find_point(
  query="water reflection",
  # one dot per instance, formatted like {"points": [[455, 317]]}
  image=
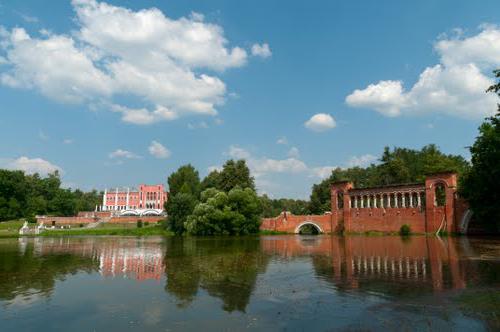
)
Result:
{"points": [[420, 263], [239, 272]]}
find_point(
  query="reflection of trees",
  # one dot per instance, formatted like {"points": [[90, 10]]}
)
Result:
{"points": [[226, 268], [23, 272]]}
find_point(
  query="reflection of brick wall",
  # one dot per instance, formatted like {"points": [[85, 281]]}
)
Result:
{"points": [[420, 260]]}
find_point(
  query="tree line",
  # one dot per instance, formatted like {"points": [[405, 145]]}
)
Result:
{"points": [[24, 196]]}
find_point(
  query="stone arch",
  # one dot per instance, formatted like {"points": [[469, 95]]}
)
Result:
{"points": [[151, 213], [308, 222], [129, 213]]}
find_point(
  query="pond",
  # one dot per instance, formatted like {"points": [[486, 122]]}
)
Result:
{"points": [[256, 283]]}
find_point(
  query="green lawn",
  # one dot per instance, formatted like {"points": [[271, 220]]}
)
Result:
{"points": [[109, 230], [10, 228]]}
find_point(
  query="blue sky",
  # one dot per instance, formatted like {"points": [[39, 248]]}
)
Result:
{"points": [[124, 92]]}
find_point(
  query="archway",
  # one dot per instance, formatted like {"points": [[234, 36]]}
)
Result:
{"points": [[308, 227]]}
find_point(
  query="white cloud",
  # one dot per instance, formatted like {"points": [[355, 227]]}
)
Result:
{"points": [[68, 141], [238, 153], [261, 50], [456, 86], [361, 161], [168, 63], [322, 172], [320, 122], [282, 140], [294, 152], [119, 154], [267, 165], [142, 116], [159, 151], [33, 165], [386, 97]]}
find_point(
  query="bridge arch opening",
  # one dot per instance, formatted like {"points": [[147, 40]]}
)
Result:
{"points": [[308, 228]]}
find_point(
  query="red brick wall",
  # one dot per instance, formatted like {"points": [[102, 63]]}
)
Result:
{"points": [[386, 220], [134, 219], [47, 221], [290, 222]]}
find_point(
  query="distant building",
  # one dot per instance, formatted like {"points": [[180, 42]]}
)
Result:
{"points": [[146, 197]]}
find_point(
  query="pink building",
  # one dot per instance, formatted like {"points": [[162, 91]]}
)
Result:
{"points": [[145, 197]]}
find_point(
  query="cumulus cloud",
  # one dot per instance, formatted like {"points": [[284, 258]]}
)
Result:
{"points": [[261, 50], [261, 166], [33, 165], [322, 172], [268, 165], [158, 150], [123, 154], [169, 64], [320, 122], [456, 86], [238, 153]]}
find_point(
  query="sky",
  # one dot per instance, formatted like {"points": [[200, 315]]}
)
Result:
{"points": [[120, 93]]}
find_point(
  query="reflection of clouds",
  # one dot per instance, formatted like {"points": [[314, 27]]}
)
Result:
{"points": [[152, 315], [25, 299]]}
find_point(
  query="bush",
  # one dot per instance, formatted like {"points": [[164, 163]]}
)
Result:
{"points": [[81, 225], [146, 223], [31, 219], [139, 223], [405, 230]]}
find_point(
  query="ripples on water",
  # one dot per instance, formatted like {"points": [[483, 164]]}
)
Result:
{"points": [[270, 282]]}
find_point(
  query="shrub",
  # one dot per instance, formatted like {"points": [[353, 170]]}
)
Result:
{"points": [[139, 223], [146, 223], [81, 225], [31, 219], [405, 230]]}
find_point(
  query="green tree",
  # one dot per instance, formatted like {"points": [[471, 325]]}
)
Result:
{"points": [[186, 179], [211, 180], [219, 213], [235, 174], [480, 186], [179, 207]]}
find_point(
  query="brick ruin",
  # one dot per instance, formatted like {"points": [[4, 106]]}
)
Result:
{"points": [[426, 207]]}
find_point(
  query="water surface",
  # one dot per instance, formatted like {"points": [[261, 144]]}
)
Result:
{"points": [[265, 283]]}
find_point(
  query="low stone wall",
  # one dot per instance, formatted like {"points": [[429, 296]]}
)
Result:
{"points": [[63, 221], [134, 219], [59, 221]]}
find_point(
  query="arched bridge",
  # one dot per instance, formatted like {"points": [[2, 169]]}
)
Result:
{"points": [[289, 223]]}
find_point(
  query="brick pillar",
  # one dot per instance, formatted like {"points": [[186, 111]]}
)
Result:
{"points": [[434, 214], [338, 218]]}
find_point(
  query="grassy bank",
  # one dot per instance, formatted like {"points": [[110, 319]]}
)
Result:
{"points": [[10, 228], [119, 230]]}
